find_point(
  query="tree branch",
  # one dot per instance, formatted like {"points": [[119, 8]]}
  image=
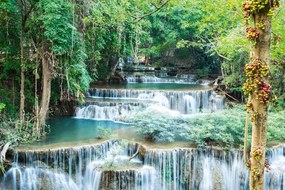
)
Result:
{"points": [[228, 95], [135, 154], [215, 49], [150, 13]]}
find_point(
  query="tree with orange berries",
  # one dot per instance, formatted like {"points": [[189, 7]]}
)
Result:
{"points": [[257, 88]]}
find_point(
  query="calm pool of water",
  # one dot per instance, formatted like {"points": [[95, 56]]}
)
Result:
{"points": [[70, 129]]}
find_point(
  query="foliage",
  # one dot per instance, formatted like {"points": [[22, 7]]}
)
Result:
{"points": [[86, 38], [223, 128], [102, 132], [16, 132], [236, 48], [116, 150], [2, 106], [57, 20]]}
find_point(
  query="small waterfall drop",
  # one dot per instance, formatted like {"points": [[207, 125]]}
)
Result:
{"points": [[107, 111], [275, 178], [92, 177], [190, 104], [154, 79]]}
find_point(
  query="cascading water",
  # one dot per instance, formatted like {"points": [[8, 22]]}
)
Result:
{"points": [[275, 179], [154, 79], [198, 169], [107, 111], [186, 101], [107, 166], [81, 168], [78, 169], [190, 103], [175, 100]]}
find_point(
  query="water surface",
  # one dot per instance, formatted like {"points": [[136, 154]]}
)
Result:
{"points": [[67, 130]]}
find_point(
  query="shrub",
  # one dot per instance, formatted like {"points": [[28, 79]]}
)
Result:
{"points": [[15, 131], [224, 128], [103, 132]]}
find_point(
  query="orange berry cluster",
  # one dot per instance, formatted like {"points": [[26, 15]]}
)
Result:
{"points": [[252, 33], [264, 91], [256, 173], [254, 115], [249, 106], [256, 69], [255, 73], [251, 6], [247, 9], [257, 154], [266, 165]]}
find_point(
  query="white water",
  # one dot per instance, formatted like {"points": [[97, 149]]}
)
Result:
{"points": [[92, 177], [275, 179], [111, 111], [145, 179], [185, 102], [203, 170], [79, 169], [154, 79]]}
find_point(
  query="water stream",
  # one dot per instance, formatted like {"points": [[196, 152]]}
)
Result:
{"points": [[59, 163]]}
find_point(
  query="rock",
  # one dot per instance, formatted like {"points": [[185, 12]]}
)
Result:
{"points": [[117, 78]]}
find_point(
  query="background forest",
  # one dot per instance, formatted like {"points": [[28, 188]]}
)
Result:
{"points": [[52, 50]]}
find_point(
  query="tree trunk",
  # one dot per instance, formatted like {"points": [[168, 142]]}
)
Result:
{"points": [[261, 53], [46, 88], [22, 90], [37, 122]]}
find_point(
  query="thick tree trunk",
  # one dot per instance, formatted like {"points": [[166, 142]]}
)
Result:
{"points": [[22, 90], [46, 88], [261, 52]]}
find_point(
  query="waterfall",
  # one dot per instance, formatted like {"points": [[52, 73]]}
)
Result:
{"points": [[154, 79], [82, 168], [275, 179], [93, 177], [145, 178], [31, 170], [198, 169], [209, 169], [203, 100], [107, 110], [130, 179], [32, 178], [79, 168], [189, 103]]}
